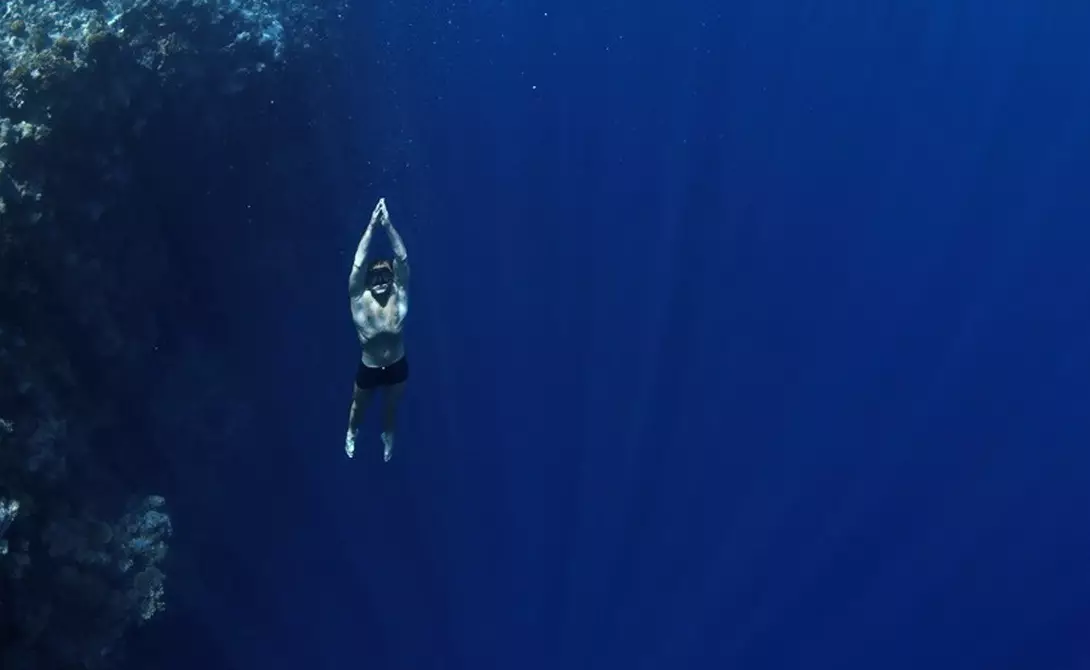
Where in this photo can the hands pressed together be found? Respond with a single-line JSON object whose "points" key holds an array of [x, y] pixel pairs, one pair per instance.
{"points": [[380, 215]]}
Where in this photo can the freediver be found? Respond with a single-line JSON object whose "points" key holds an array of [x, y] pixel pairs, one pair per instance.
{"points": [[379, 298]]}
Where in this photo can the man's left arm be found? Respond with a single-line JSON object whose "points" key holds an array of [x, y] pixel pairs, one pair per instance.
{"points": [[401, 262]]}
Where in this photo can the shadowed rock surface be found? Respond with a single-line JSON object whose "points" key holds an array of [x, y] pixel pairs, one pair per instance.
{"points": [[115, 119]]}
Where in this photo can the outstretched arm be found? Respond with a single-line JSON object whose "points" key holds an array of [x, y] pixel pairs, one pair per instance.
{"points": [[401, 265], [395, 239], [359, 271]]}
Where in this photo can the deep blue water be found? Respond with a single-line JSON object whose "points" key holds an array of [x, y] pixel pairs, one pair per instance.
{"points": [[747, 334]]}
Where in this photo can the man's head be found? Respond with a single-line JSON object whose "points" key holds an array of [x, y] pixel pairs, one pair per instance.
{"points": [[380, 280]]}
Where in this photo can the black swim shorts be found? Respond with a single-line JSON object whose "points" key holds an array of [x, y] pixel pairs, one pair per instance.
{"points": [[395, 373]]}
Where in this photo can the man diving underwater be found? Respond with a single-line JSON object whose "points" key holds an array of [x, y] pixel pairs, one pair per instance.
{"points": [[379, 296]]}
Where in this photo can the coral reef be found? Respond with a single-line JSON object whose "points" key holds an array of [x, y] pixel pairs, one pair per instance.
{"points": [[9, 509], [83, 552], [80, 63], [74, 590]]}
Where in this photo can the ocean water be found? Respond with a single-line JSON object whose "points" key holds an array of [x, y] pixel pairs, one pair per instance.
{"points": [[743, 335]]}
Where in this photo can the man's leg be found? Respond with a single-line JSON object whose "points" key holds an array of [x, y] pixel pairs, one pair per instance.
{"points": [[389, 417], [360, 399]]}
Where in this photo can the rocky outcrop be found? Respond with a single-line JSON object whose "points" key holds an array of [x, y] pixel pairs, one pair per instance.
{"points": [[83, 84]]}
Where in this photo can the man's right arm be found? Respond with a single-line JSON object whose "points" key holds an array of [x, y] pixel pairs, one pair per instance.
{"points": [[358, 276]]}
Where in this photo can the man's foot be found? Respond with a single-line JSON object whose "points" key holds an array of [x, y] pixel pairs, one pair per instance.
{"points": [[387, 446]]}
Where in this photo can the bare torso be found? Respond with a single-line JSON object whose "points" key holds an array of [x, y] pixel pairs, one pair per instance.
{"points": [[379, 327]]}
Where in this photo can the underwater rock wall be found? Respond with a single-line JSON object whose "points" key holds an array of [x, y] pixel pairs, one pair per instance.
{"points": [[84, 277]]}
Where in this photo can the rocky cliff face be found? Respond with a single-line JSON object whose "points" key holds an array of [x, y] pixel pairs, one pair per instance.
{"points": [[87, 271]]}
